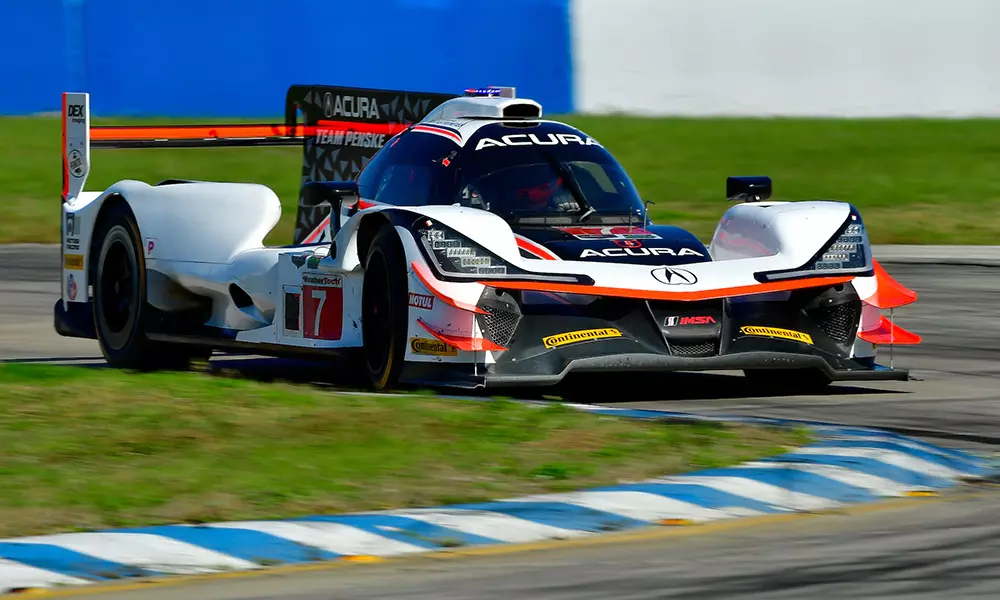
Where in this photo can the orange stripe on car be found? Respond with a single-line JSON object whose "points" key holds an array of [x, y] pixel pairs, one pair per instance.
{"points": [[426, 278], [65, 164], [593, 290], [197, 132], [469, 344], [535, 248]]}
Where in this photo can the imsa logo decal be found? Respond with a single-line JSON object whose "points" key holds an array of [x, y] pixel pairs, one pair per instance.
{"points": [[586, 335], [433, 347], [774, 332]]}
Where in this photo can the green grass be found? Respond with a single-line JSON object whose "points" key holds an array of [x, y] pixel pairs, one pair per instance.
{"points": [[89, 448], [916, 181]]}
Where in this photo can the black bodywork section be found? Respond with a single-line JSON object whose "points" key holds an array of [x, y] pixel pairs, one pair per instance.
{"points": [[810, 329]]}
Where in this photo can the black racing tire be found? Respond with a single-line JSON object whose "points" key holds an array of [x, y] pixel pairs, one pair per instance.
{"points": [[789, 381], [384, 309], [120, 309]]}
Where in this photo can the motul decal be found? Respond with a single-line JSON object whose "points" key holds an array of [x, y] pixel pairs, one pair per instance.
{"points": [[679, 321], [590, 253], [609, 232], [421, 301]]}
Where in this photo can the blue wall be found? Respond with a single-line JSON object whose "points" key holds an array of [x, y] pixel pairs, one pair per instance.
{"points": [[236, 58]]}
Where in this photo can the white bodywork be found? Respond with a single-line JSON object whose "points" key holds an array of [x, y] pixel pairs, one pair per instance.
{"points": [[206, 237]]}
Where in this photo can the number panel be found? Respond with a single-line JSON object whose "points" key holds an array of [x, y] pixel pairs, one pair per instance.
{"points": [[322, 306]]}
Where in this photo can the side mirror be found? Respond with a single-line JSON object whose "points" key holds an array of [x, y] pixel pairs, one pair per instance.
{"points": [[748, 189]]}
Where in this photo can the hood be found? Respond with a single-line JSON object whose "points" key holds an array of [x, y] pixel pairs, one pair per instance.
{"points": [[653, 245]]}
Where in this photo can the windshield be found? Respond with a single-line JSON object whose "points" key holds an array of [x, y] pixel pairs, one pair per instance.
{"points": [[538, 181]]}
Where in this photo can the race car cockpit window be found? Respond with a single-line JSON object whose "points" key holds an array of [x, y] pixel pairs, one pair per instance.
{"points": [[408, 172], [576, 182]]}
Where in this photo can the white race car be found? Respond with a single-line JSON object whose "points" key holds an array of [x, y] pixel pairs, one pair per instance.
{"points": [[459, 241]]}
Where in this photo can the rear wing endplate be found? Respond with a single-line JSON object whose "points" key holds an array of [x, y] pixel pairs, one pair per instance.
{"points": [[340, 130]]}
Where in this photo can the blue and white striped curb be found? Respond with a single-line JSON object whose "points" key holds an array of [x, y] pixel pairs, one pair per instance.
{"points": [[845, 465]]}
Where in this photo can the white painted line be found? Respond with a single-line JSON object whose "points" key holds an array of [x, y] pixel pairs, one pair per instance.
{"points": [[752, 489], [905, 443], [634, 505], [878, 486], [889, 457], [332, 537], [497, 526], [143, 550], [14, 575]]}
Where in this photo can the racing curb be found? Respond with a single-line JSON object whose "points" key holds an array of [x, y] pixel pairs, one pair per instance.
{"points": [[845, 465]]}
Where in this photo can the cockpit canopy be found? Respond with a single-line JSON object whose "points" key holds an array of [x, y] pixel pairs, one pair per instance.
{"points": [[527, 171]]}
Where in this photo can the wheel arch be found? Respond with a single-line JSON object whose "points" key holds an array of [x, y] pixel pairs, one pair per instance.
{"points": [[110, 203]]}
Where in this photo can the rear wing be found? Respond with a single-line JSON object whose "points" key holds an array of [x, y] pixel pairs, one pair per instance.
{"points": [[340, 130]]}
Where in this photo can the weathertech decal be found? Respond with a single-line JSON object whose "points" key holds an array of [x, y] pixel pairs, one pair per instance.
{"points": [[616, 232], [421, 301], [434, 347], [774, 332], [590, 253], [586, 335]]}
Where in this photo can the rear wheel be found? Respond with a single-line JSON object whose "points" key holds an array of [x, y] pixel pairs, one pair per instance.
{"points": [[789, 381], [120, 308], [384, 309]]}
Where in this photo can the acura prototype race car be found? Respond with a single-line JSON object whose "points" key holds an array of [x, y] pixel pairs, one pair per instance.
{"points": [[458, 240]]}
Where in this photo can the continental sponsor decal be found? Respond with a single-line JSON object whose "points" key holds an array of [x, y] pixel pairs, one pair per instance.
{"points": [[434, 347], [73, 261], [585, 335], [774, 332]]}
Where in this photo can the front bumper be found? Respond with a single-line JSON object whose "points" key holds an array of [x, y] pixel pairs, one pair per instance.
{"points": [[808, 330], [659, 363]]}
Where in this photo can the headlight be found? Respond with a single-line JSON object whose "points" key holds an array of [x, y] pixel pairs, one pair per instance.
{"points": [[455, 253], [847, 251], [457, 258], [845, 254]]}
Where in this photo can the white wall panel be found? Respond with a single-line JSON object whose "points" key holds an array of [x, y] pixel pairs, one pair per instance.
{"points": [[787, 57]]}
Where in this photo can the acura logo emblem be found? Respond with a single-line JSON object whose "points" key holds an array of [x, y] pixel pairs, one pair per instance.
{"points": [[669, 276]]}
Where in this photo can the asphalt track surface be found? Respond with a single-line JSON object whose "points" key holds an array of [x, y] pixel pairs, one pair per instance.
{"points": [[942, 549]]}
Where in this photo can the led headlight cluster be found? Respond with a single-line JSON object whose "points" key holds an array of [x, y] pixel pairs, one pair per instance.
{"points": [[455, 253], [846, 252]]}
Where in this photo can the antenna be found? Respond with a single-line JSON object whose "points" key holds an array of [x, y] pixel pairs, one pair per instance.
{"points": [[645, 211]]}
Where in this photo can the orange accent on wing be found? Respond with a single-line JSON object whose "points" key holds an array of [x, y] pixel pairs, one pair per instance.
{"points": [[197, 132], [65, 164], [888, 332], [468, 344], [384, 128], [426, 278], [591, 290], [235, 130], [890, 293]]}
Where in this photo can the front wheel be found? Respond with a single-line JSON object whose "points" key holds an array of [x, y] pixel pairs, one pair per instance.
{"points": [[385, 309]]}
